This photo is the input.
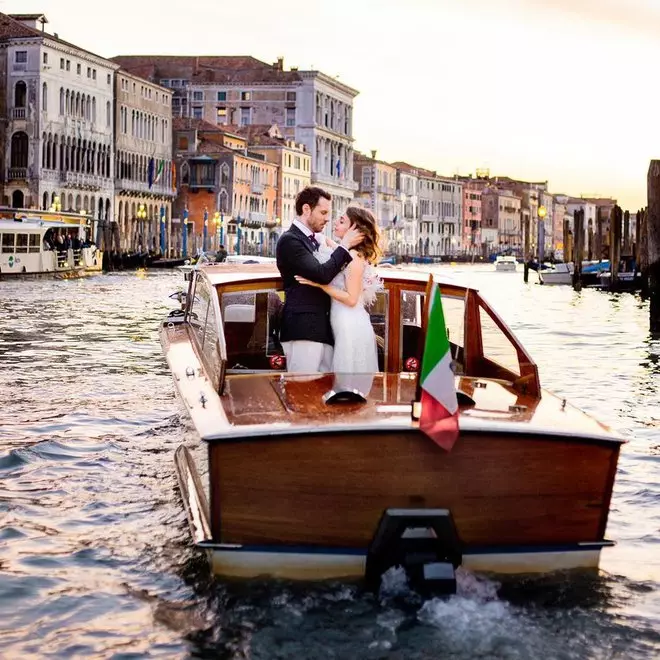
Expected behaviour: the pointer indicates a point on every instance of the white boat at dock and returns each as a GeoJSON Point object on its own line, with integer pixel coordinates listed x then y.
{"type": "Point", "coordinates": [47, 244]}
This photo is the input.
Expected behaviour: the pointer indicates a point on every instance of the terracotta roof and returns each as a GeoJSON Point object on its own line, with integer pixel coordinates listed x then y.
{"type": "Point", "coordinates": [205, 68]}
{"type": "Point", "coordinates": [406, 167]}
{"type": "Point", "coordinates": [259, 135]}
{"type": "Point", "coordinates": [10, 28]}
{"type": "Point", "coordinates": [190, 124]}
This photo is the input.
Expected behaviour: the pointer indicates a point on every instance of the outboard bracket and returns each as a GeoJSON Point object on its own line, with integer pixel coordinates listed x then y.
{"type": "Point", "coordinates": [423, 541]}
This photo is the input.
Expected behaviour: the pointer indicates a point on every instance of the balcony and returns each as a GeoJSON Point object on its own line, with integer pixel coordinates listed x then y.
{"type": "Point", "coordinates": [385, 190]}
{"type": "Point", "coordinates": [256, 219]}
{"type": "Point", "coordinates": [328, 180]}
{"type": "Point", "coordinates": [85, 181]}
{"type": "Point", "coordinates": [18, 113]}
{"type": "Point", "coordinates": [257, 188]}
{"type": "Point", "coordinates": [17, 173]}
{"type": "Point", "coordinates": [128, 185]}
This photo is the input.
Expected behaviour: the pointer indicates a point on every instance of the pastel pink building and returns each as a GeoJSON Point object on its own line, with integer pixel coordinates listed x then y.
{"type": "Point", "coordinates": [471, 231]}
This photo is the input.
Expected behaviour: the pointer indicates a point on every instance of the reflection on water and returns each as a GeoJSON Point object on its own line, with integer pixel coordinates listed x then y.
{"type": "Point", "coordinates": [94, 556]}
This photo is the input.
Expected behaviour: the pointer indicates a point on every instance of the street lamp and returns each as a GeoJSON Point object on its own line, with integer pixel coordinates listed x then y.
{"type": "Point", "coordinates": [206, 228]}
{"type": "Point", "coordinates": [542, 212]}
{"type": "Point", "coordinates": [56, 205]}
{"type": "Point", "coordinates": [141, 215]}
{"type": "Point", "coordinates": [218, 221]}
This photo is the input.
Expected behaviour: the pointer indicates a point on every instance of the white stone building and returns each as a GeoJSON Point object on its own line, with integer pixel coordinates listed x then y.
{"type": "Point", "coordinates": [59, 130]}
{"type": "Point", "coordinates": [324, 124]}
{"type": "Point", "coordinates": [143, 164]}
{"type": "Point", "coordinates": [407, 225]}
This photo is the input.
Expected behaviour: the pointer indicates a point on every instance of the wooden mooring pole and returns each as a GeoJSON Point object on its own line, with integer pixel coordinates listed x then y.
{"type": "Point", "coordinates": [653, 243]}
{"type": "Point", "coordinates": [616, 217]}
{"type": "Point", "coordinates": [578, 243]}
{"type": "Point", "coordinates": [526, 257]}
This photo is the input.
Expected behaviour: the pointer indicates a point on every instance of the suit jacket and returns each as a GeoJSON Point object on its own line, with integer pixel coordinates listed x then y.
{"type": "Point", "coordinates": [306, 313]}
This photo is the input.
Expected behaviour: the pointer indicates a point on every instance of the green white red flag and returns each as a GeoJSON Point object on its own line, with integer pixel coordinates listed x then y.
{"type": "Point", "coordinates": [439, 414]}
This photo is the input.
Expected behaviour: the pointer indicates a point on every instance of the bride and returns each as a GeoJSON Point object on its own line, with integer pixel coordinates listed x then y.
{"type": "Point", "coordinates": [352, 291]}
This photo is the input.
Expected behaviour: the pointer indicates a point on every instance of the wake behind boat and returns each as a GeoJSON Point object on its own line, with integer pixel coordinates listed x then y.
{"type": "Point", "coordinates": [317, 476]}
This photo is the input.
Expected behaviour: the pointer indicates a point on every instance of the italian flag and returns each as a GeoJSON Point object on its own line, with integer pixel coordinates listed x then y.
{"type": "Point", "coordinates": [439, 415]}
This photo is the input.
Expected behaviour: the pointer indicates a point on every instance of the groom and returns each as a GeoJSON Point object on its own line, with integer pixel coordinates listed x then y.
{"type": "Point", "coordinates": [305, 331]}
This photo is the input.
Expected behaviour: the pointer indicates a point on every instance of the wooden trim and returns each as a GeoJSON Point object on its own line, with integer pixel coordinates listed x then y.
{"type": "Point", "coordinates": [215, 479]}
{"type": "Point", "coordinates": [609, 487]}
{"type": "Point", "coordinates": [473, 350]}
{"type": "Point", "coordinates": [422, 334]}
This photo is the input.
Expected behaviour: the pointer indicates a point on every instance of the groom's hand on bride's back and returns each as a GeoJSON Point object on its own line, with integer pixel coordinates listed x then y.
{"type": "Point", "coordinates": [352, 237]}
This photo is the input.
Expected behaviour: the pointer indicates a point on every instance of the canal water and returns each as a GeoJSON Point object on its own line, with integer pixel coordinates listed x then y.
{"type": "Point", "coordinates": [94, 547]}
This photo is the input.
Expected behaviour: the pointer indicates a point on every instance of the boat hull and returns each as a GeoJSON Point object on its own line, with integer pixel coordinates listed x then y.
{"type": "Point", "coordinates": [307, 507]}
{"type": "Point", "coordinates": [316, 564]}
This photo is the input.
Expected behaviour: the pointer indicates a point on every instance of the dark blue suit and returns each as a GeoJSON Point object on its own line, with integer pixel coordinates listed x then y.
{"type": "Point", "coordinates": [306, 313]}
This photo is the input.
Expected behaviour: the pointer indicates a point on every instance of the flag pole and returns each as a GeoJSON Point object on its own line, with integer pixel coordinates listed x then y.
{"type": "Point", "coordinates": [420, 348]}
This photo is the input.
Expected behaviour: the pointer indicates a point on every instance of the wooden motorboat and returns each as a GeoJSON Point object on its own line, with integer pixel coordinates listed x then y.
{"type": "Point", "coordinates": [296, 475]}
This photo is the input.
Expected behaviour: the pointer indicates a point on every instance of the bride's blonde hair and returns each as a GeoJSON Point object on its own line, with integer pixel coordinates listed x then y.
{"type": "Point", "coordinates": [364, 220]}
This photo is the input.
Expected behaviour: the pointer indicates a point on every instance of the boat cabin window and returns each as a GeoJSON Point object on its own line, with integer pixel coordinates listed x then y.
{"type": "Point", "coordinates": [33, 245]}
{"type": "Point", "coordinates": [412, 306]}
{"type": "Point", "coordinates": [378, 313]}
{"type": "Point", "coordinates": [251, 325]}
{"type": "Point", "coordinates": [453, 308]}
{"type": "Point", "coordinates": [205, 324]}
{"type": "Point", "coordinates": [8, 243]}
{"type": "Point", "coordinates": [21, 242]}
{"type": "Point", "coordinates": [497, 347]}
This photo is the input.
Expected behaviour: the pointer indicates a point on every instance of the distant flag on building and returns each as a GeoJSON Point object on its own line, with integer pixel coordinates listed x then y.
{"type": "Point", "coordinates": [159, 170]}
{"type": "Point", "coordinates": [173, 177]}
{"type": "Point", "coordinates": [338, 167]}
{"type": "Point", "coordinates": [150, 172]}
{"type": "Point", "coordinates": [394, 220]}
{"type": "Point", "coordinates": [439, 414]}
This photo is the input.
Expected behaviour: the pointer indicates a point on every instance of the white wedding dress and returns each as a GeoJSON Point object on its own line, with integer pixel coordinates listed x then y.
{"type": "Point", "coordinates": [355, 342]}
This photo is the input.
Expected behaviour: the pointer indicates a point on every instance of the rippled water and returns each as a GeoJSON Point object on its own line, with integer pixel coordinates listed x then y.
{"type": "Point", "coordinates": [94, 547]}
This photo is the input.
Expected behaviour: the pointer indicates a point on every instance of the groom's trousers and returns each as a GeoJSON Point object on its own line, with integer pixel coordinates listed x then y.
{"type": "Point", "coordinates": [307, 356]}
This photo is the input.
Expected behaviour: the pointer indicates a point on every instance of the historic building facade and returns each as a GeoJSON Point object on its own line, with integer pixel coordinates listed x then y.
{"type": "Point", "coordinates": [308, 106]}
{"type": "Point", "coordinates": [294, 167]}
{"type": "Point", "coordinates": [59, 130]}
{"type": "Point", "coordinates": [227, 192]}
{"type": "Point", "coordinates": [144, 186]}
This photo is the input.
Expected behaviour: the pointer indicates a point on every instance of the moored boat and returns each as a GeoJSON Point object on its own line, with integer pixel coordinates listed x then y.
{"type": "Point", "coordinates": [312, 476]}
{"type": "Point", "coordinates": [47, 244]}
{"type": "Point", "coordinates": [505, 263]}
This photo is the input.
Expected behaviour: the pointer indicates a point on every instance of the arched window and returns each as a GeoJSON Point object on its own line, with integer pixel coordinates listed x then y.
{"type": "Point", "coordinates": [19, 150]}
{"type": "Point", "coordinates": [61, 100]}
{"type": "Point", "coordinates": [44, 97]}
{"type": "Point", "coordinates": [20, 95]}
{"type": "Point", "coordinates": [94, 110]}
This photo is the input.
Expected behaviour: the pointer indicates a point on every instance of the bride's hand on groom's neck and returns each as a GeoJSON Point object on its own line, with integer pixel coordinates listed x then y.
{"type": "Point", "coordinates": [352, 237]}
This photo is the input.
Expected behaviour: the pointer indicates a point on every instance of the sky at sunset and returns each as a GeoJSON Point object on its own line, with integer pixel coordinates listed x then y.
{"type": "Point", "coordinates": [563, 90]}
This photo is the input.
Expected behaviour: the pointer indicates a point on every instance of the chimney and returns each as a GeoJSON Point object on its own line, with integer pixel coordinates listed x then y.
{"type": "Point", "coordinates": [196, 65]}
{"type": "Point", "coordinates": [373, 154]}
{"type": "Point", "coordinates": [279, 65]}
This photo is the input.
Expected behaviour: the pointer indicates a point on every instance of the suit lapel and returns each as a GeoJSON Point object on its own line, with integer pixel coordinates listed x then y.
{"type": "Point", "coordinates": [302, 236]}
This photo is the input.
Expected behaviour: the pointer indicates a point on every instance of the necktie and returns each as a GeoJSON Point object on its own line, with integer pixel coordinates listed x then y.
{"type": "Point", "coordinates": [314, 242]}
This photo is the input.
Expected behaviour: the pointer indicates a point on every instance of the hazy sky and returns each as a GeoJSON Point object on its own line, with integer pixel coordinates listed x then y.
{"type": "Point", "coordinates": [563, 90]}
